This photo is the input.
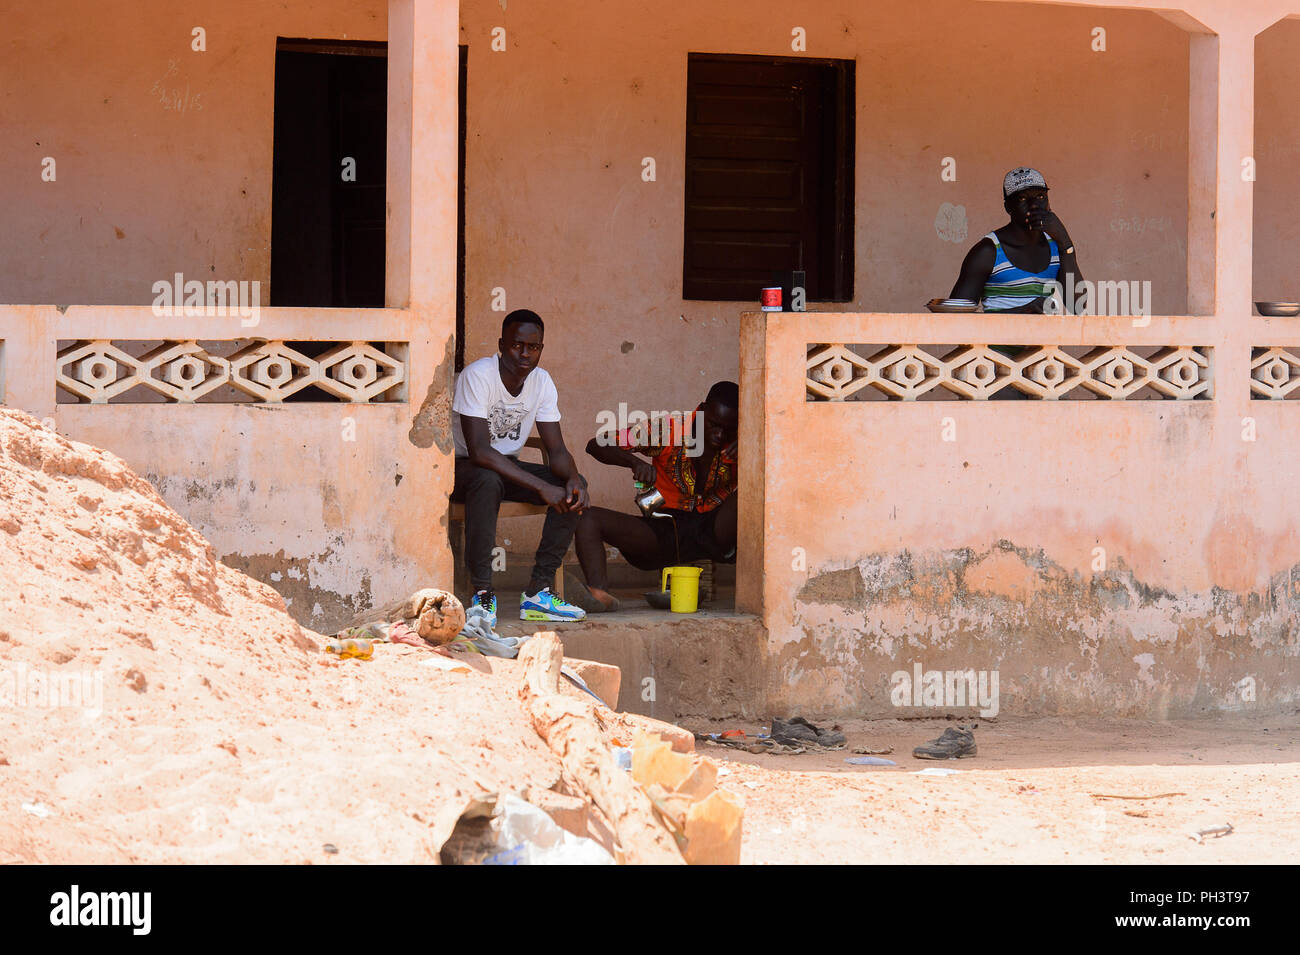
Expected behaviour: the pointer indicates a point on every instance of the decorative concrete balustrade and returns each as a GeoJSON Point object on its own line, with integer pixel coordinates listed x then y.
{"type": "Point", "coordinates": [1274, 373]}
{"type": "Point", "coordinates": [258, 371]}
{"type": "Point", "coordinates": [838, 372]}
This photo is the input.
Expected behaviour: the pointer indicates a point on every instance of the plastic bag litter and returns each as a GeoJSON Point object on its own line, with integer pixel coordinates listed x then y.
{"type": "Point", "coordinates": [507, 830]}
{"type": "Point", "coordinates": [534, 838]}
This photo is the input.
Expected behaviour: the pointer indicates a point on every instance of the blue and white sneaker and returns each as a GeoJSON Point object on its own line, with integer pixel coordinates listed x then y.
{"type": "Point", "coordinates": [544, 605]}
{"type": "Point", "coordinates": [488, 601]}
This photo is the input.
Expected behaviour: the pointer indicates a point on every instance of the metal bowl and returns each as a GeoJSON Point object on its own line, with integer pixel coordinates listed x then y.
{"type": "Point", "coordinates": [1279, 309]}
{"type": "Point", "coordinates": [659, 599]}
{"type": "Point", "coordinates": [947, 305]}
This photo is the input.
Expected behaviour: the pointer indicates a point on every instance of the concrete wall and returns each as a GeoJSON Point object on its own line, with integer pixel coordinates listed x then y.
{"type": "Point", "coordinates": [338, 506]}
{"type": "Point", "coordinates": [1101, 557]}
{"type": "Point", "coordinates": [558, 215]}
{"type": "Point", "coordinates": [337, 518]}
{"type": "Point", "coordinates": [163, 154]}
{"type": "Point", "coordinates": [1134, 557]}
{"type": "Point", "coordinates": [951, 553]}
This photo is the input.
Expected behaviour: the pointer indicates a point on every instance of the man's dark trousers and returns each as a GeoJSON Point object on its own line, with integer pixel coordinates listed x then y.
{"type": "Point", "coordinates": [483, 490]}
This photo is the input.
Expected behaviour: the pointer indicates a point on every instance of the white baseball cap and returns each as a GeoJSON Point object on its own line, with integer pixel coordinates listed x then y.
{"type": "Point", "coordinates": [1020, 179]}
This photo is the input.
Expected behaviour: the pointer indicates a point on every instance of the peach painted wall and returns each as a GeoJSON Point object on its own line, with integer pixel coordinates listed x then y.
{"type": "Point", "coordinates": [1136, 557]}
{"type": "Point", "coordinates": [558, 216]}
{"type": "Point", "coordinates": [339, 507]}
{"type": "Point", "coordinates": [144, 190]}
{"type": "Point", "coordinates": [557, 213]}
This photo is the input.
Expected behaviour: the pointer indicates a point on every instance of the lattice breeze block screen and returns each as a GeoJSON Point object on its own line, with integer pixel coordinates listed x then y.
{"type": "Point", "coordinates": [839, 372]}
{"type": "Point", "coordinates": [1275, 373]}
{"type": "Point", "coordinates": [233, 371]}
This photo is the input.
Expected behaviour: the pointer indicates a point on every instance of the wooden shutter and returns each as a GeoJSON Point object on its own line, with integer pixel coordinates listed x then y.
{"type": "Point", "coordinates": [768, 176]}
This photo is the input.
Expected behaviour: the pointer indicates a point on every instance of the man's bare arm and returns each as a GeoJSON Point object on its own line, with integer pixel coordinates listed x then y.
{"type": "Point", "coordinates": [562, 464]}
{"type": "Point", "coordinates": [613, 455]}
{"type": "Point", "coordinates": [975, 271]}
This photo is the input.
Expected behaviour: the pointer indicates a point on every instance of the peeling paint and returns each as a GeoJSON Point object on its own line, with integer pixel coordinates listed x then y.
{"type": "Point", "coordinates": [1001, 608]}
{"type": "Point", "coordinates": [432, 423]}
{"type": "Point", "coordinates": [318, 582]}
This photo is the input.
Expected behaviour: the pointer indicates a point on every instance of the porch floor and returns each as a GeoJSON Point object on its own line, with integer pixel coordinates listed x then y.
{"type": "Point", "coordinates": [705, 664]}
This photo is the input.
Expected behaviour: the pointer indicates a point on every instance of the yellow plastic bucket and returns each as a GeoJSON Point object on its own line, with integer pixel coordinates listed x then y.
{"type": "Point", "coordinates": [685, 591]}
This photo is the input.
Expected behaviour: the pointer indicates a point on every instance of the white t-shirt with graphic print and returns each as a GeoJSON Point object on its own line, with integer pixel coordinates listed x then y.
{"type": "Point", "coordinates": [480, 393]}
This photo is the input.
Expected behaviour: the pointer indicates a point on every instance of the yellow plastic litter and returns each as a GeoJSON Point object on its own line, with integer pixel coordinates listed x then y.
{"type": "Point", "coordinates": [361, 649]}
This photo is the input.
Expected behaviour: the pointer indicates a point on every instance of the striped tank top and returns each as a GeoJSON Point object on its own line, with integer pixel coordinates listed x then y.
{"type": "Point", "coordinates": [1009, 287]}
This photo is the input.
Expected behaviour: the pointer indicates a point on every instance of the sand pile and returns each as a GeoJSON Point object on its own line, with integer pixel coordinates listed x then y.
{"type": "Point", "coordinates": [158, 706]}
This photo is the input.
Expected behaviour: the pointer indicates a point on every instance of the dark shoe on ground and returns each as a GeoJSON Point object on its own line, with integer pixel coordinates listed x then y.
{"type": "Point", "coordinates": [798, 730]}
{"type": "Point", "coordinates": [952, 744]}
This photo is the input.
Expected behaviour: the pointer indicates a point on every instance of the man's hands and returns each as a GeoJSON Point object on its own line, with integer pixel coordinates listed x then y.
{"type": "Point", "coordinates": [575, 493]}
{"type": "Point", "coordinates": [1050, 222]}
{"type": "Point", "coordinates": [644, 471]}
{"type": "Point", "coordinates": [570, 498]}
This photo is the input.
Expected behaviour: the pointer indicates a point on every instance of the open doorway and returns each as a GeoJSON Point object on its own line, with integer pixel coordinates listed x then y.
{"type": "Point", "coordinates": [329, 174]}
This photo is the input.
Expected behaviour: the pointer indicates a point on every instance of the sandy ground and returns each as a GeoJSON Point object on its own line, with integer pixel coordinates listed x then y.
{"type": "Point", "coordinates": [157, 706]}
{"type": "Point", "coordinates": [1028, 796]}
{"type": "Point", "coordinates": [374, 759]}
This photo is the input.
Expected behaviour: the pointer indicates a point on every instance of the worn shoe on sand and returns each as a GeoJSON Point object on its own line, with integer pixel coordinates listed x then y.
{"type": "Point", "coordinates": [952, 744]}
{"type": "Point", "coordinates": [798, 730]}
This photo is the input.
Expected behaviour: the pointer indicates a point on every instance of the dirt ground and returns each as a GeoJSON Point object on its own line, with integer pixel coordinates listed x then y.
{"type": "Point", "coordinates": [1033, 794]}
{"type": "Point", "coordinates": [157, 706]}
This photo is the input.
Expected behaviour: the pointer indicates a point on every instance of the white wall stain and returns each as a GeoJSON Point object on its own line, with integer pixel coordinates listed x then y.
{"type": "Point", "coordinates": [950, 223]}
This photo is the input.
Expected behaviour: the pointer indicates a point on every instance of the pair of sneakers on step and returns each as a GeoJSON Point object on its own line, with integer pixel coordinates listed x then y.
{"type": "Point", "coordinates": [542, 605]}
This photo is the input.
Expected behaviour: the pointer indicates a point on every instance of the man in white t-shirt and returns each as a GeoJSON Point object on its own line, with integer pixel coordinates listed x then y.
{"type": "Point", "coordinates": [498, 400]}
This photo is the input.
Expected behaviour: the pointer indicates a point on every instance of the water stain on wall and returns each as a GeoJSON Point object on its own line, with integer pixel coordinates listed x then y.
{"type": "Point", "coordinates": [315, 607]}
{"type": "Point", "coordinates": [1064, 643]}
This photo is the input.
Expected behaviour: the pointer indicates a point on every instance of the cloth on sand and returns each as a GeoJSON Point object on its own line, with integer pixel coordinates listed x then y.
{"type": "Point", "coordinates": [478, 630]}
{"type": "Point", "coordinates": [432, 613]}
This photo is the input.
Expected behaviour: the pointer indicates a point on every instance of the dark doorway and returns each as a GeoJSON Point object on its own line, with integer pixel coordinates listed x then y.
{"type": "Point", "coordinates": [327, 218]}
{"type": "Point", "coordinates": [769, 176]}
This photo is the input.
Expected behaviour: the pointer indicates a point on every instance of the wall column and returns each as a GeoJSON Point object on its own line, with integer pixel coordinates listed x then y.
{"type": "Point", "coordinates": [422, 190]}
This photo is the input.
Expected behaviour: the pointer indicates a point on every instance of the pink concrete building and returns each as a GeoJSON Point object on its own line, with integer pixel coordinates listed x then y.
{"type": "Point", "coordinates": [1125, 541]}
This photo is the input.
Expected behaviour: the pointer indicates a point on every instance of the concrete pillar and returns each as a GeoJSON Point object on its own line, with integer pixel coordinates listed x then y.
{"type": "Point", "coordinates": [423, 64]}
{"type": "Point", "coordinates": [1220, 202]}
{"type": "Point", "coordinates": [423, 68]}
{"type": "Point", "coordinates": [1202, 163]}
{"type": "Point", "coordinates": [751, 559]}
